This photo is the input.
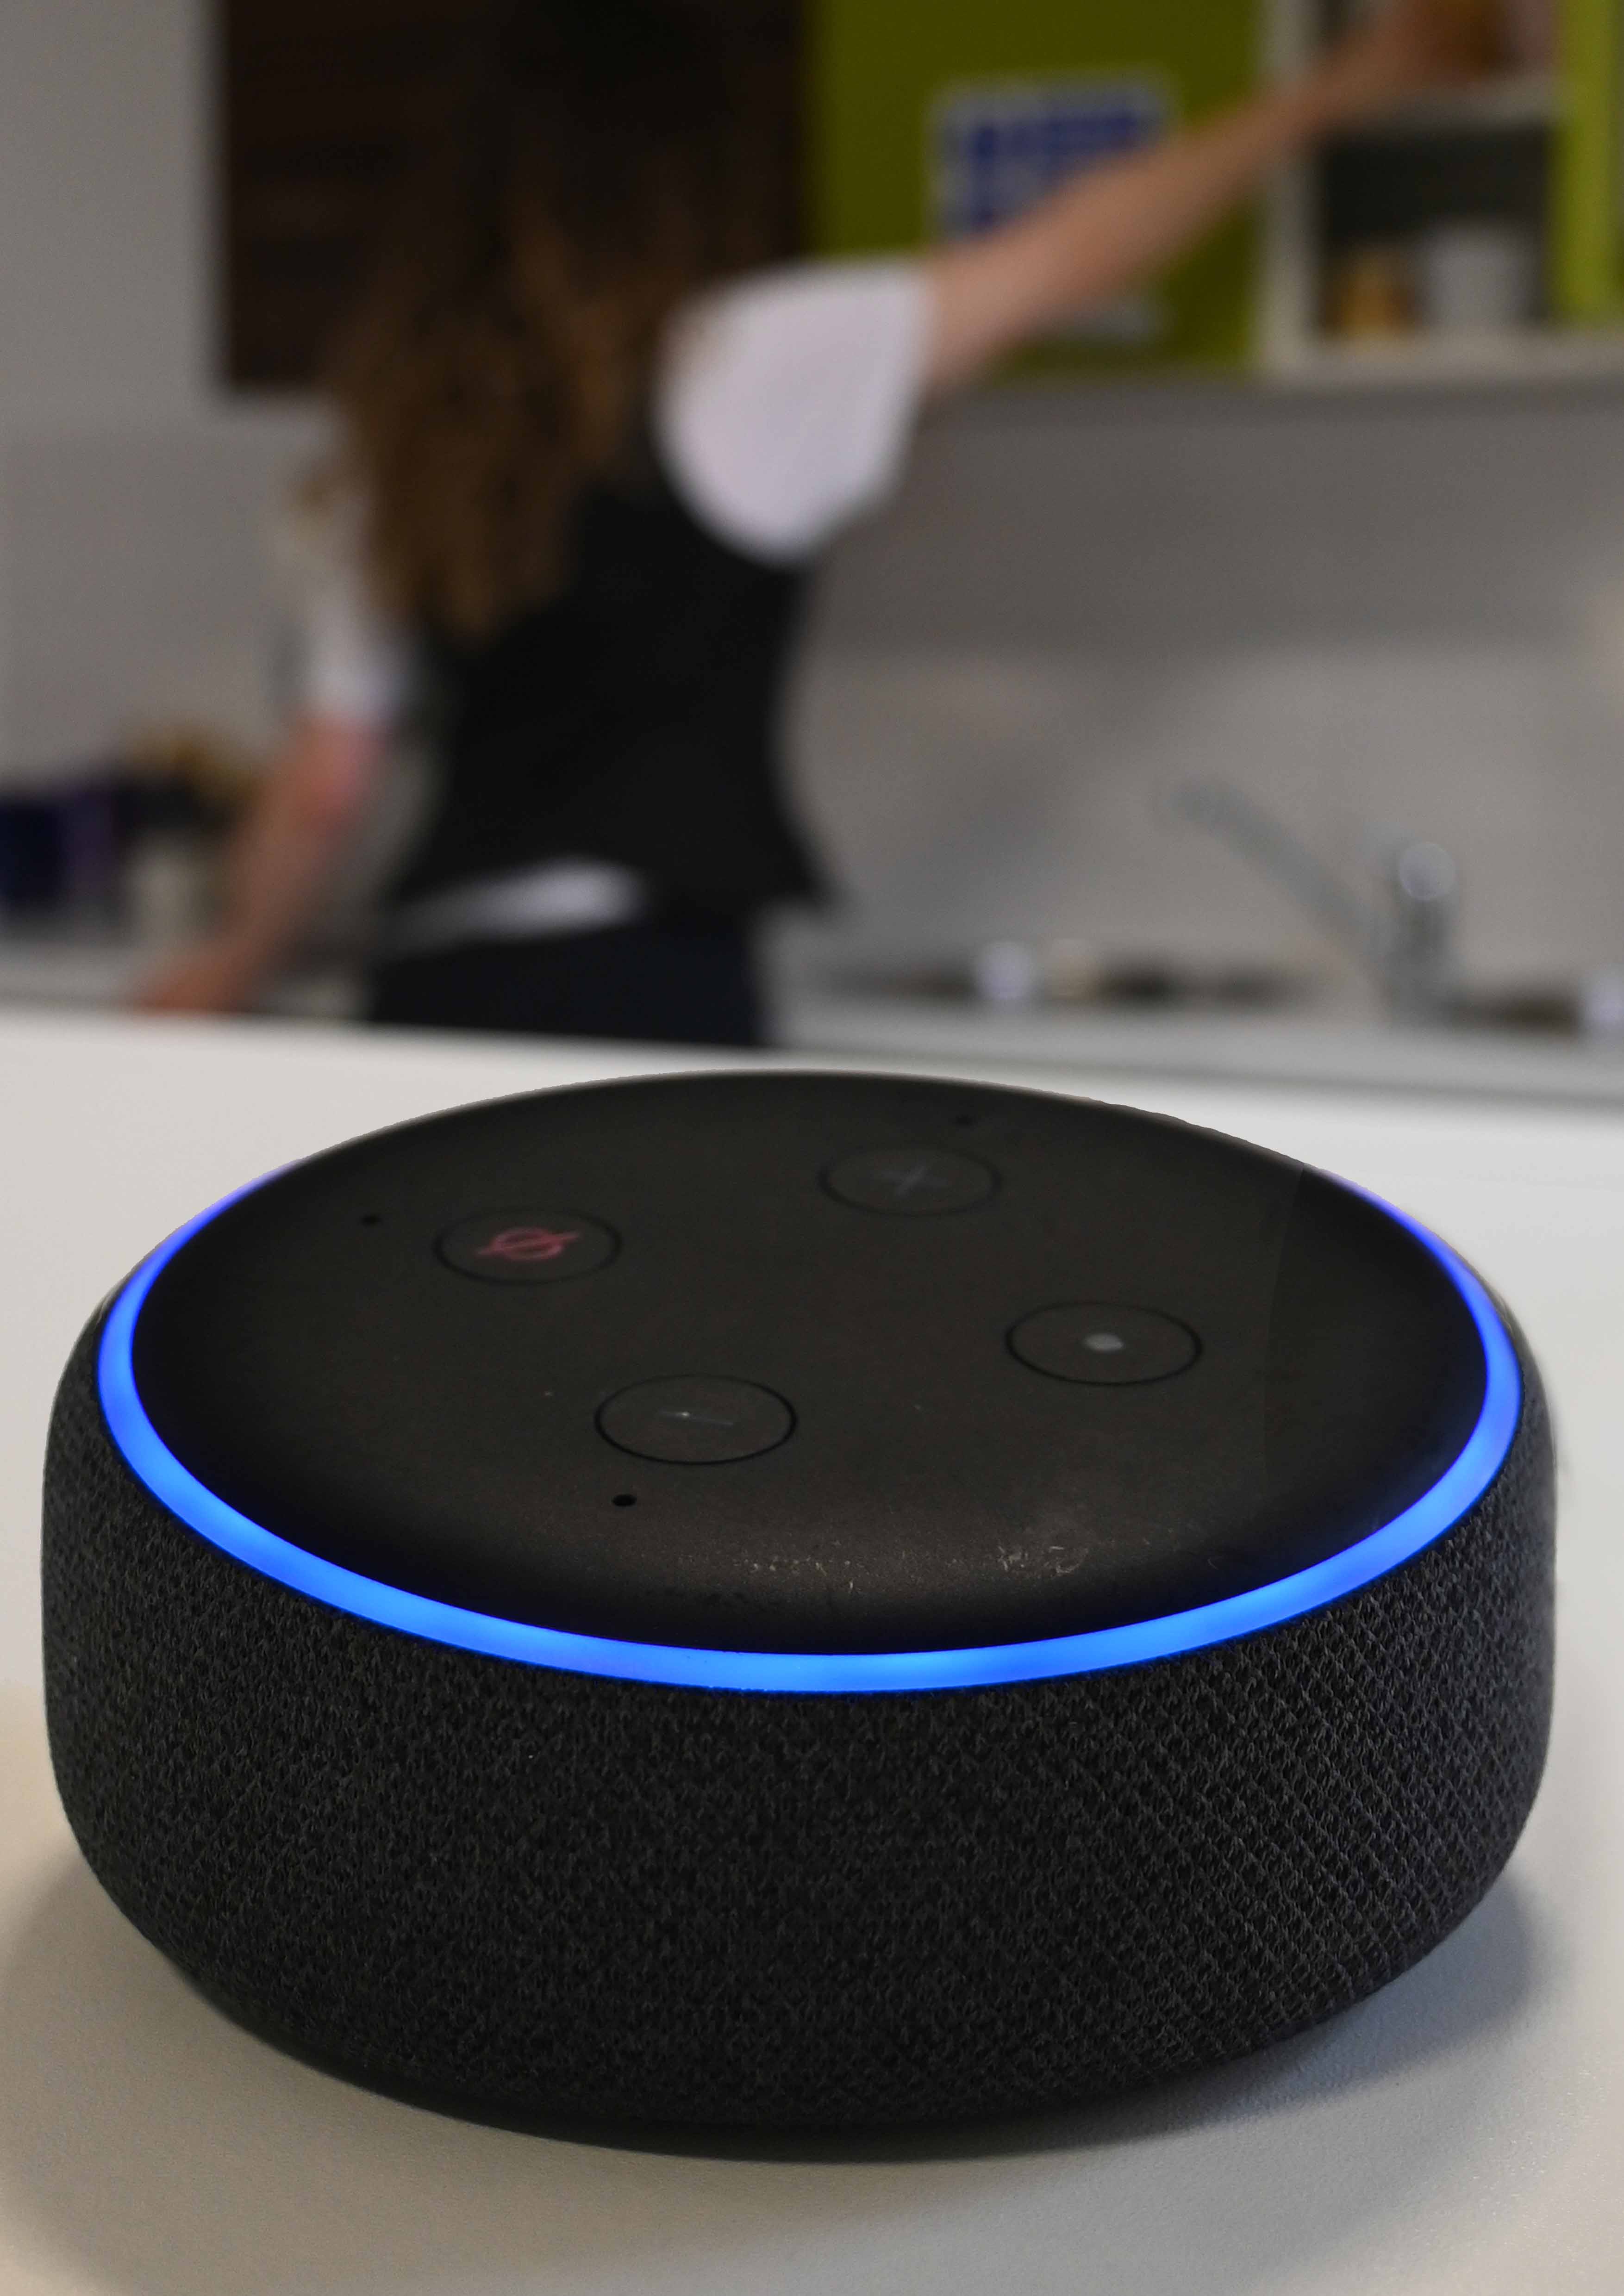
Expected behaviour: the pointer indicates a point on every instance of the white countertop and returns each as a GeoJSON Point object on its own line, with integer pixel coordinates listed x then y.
{"type": "Point", "coordinates": [1461, 2135]}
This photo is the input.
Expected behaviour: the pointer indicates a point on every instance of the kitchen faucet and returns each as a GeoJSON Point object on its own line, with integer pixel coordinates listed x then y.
{"type": "Point", "coordinates": [1405, 941]}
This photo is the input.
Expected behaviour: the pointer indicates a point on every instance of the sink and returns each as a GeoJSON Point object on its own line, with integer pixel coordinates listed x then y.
{"type": "Point", "coordinates": [1153, 1015]}
{"type": "Point", "coordinates": [1010, 975]}
{"type": "Point", "coordinates": [1557, 1008]}
{"type": "Point", "coordinates": [1016, 976]}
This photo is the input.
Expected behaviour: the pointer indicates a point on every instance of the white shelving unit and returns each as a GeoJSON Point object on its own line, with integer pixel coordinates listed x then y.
{"type": "Point", "coordinates": [1526, 357]}
{"type": "Point", "coordinates": [1293, 347]}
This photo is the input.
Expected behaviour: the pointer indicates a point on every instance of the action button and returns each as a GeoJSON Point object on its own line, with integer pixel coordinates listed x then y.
{"type": "Point", "coordinates": [911, 1180]}
{"type": "Point", "coordinates": [1099, 1346]}
{"type": "Point", "coordinates": [696, 1422]}
{"type": "Point", "coordinates": [527, 1247]}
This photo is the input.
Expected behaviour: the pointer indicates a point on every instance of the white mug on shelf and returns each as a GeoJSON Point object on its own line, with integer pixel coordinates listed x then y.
{"type": "Point", "coordinates": [1476, 277]}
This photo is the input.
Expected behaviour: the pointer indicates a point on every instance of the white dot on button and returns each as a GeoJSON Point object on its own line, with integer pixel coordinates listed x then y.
{"type": "Point", "coordinates": [1138, 1345]}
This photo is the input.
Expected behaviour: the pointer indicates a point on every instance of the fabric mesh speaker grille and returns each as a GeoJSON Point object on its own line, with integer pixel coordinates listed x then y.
{"type": "Point", "coordinates": [535, 1893]}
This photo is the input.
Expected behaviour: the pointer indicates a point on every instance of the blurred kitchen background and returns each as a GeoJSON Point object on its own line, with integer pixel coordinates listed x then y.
{"type": "Point", "coordinates": [1234, 676]}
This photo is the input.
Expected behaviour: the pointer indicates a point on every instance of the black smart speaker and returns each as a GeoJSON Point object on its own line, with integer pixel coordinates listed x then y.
{"type": "Point", "coordinates": [798, 1600]}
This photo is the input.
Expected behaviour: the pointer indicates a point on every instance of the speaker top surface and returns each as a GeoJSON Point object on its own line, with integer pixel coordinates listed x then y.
{"type": "Point", "coordinates": [814, 1363]}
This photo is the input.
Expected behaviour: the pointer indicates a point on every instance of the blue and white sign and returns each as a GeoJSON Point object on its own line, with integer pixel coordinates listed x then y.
{"type": "Point", "coordinates": [998, 146]}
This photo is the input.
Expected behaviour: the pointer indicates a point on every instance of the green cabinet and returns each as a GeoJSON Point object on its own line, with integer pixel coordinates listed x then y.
{"type": "Point", "coordinates": [931, 116]}
{"type": "Point", "coordinates": [1586, 221]}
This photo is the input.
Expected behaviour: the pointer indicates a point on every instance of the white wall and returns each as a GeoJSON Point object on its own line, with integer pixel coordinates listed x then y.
{"type": "Point", "coordinates": [133, 584]}
{"type": "Point", "coordinates": [104, 233]}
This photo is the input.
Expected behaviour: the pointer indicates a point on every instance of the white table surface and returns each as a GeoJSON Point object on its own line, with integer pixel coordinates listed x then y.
{"type": "Point", "coordinates": [1461, 2135]}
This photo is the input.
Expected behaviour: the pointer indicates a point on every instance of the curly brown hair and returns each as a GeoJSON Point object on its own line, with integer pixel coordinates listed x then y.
{"type": "Point", "coordinates": [602, 167]}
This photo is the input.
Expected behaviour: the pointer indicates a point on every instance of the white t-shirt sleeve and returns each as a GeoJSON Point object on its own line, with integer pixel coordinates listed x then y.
{"type": "Point", "coordinates": [352, 662]}
{"type": "Point", "coordinates": [783, 406]}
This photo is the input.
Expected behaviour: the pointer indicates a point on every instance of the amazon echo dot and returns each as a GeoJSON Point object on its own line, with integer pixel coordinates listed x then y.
{"type": "Point", "coordinates": [799, 1601]}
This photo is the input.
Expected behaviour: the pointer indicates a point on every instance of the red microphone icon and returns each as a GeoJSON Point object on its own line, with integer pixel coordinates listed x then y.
{"type": "Point", "coordinates": [518, 1245]}
{"type": "Point", "coordinates": [529, 1247]}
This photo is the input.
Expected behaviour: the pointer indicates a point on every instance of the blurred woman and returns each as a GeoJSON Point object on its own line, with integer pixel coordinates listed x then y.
{"type": "Point", "coordinates": [590, 450]}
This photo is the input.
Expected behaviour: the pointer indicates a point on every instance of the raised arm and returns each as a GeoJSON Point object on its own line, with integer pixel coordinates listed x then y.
{"type": "Point", "coordinates": [1123, 222]}
{"type": "Point", "coordinates": [277, 869]}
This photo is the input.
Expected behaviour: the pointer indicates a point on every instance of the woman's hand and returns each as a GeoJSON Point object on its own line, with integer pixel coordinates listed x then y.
{"type": "Point", "coordinates": [218, 975]}
{"type": "Point", "coordinates": [1412, 46]}
{"type": "Point", "coordinates": [279, 863]}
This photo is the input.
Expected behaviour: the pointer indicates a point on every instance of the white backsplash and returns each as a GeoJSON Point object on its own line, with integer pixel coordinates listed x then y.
{"type": "Point", "coordinates": [968, 797]}
{"type": "Point", "coordinates": [138, 582]}
{"type": "Point", "coordinates": [1400, 614]}
{"type": "Point", "coordinates": [1373, 611]}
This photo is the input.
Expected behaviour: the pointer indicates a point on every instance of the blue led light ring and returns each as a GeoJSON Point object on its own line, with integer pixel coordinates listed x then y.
{"type": "Point", "coordinates": [1457, 1489]}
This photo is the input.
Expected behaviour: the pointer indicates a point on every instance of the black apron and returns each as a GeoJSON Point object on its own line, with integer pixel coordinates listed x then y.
{"type": "Point", "coordinates": [632, 719]}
